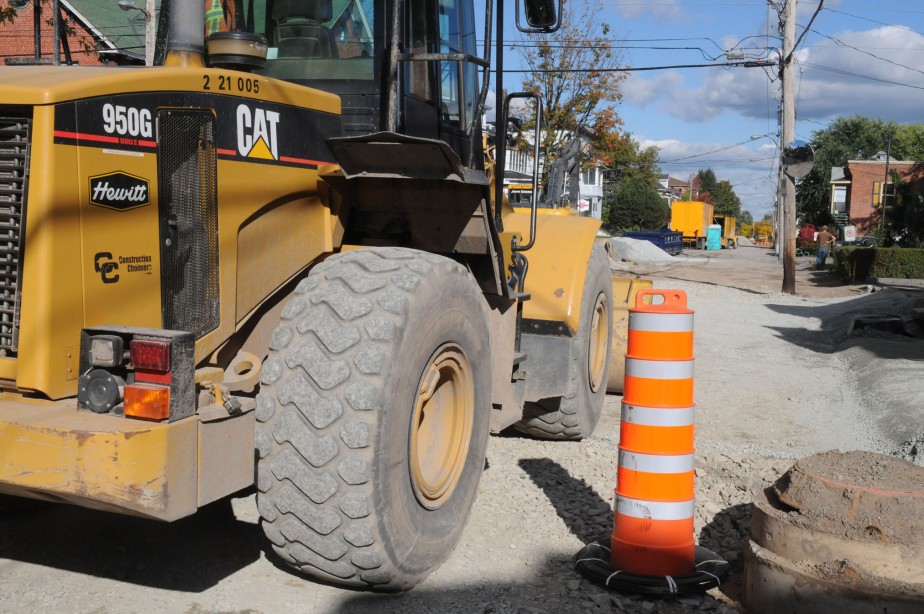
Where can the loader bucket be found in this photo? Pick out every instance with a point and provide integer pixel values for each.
(624, 291)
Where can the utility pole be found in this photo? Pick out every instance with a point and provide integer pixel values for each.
(787, 134)
(149, 32)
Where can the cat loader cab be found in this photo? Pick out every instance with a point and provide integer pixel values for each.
(280, 259)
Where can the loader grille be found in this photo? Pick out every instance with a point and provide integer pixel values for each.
(189, 220)
(14, 179)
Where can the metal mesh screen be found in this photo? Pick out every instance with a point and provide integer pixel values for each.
(14, 175)
(189, 220)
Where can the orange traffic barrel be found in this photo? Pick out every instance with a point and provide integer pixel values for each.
(653, 524)
(651, 549)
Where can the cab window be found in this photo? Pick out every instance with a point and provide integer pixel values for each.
(312, 39)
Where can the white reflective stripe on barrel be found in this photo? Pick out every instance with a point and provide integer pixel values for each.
(659, 369)
(650, 416)
(661, 322)
(656, 463)
(654, 510)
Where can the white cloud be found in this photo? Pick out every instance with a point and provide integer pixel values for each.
(639, 91)
(847, 80)
(664, 10)
(831, 80)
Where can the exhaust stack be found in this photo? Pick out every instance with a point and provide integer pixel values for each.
(186, 34)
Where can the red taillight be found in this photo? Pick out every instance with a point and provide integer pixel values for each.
(150, 354)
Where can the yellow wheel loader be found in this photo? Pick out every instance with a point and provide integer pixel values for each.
(276, 259)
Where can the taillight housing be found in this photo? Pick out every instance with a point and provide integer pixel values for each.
(141, 373)
(150, 354)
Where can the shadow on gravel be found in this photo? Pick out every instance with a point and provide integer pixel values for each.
(727, 534)
(836, 319)
(189, 555)
(582, 510)
(553, 586)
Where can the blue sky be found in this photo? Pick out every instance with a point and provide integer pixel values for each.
(858, 58)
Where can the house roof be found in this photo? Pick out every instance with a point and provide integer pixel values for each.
(837, 174)
(882, 162)
(117, 30)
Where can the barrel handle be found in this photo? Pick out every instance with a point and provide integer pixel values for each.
(671, 301)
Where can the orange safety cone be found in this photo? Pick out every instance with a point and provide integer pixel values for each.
(653, 526)
(651, 549)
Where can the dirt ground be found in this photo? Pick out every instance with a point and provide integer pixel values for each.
(778, 377)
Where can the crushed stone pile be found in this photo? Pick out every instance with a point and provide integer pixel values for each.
(637, 250)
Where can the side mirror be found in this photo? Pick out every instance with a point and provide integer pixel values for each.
(514, 131)
(541, 16)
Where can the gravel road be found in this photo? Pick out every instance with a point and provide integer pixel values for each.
(777, 378)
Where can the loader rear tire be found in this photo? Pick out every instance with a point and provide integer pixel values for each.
(575, 415)
(373, 417)
(10, 505)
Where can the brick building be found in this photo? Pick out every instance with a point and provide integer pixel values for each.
(857, 190)
(99, 33)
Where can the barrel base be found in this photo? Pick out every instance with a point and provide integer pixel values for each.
(593, 562)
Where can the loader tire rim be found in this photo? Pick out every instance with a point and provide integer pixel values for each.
(441, 426)
(596, 351)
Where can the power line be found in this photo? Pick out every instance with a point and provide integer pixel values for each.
(747, 64)
(841, 43)
(859, 76)
(882, 23)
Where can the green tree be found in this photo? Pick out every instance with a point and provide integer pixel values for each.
(627, 159)
(725, 199)
(906, 221)
(851, 138)
(720, 194)
(571, 71)
(634, 205)
(7, 14)
(745, 217)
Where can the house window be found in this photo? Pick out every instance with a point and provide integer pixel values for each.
(889, 193)
(840, 199)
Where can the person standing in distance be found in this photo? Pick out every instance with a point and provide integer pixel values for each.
(825, 240)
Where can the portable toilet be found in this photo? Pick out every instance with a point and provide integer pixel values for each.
(714, 237)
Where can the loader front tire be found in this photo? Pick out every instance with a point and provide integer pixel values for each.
(575, 415)
(373, 417)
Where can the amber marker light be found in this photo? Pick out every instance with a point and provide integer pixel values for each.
(148, 402)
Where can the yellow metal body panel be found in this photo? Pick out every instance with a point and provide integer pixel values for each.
(52, 280)
(558, 212)
(52, 451)
(557, 264)
(272, 222)
(42, 85)
(624, 291)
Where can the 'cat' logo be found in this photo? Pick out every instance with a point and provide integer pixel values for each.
(256, 133)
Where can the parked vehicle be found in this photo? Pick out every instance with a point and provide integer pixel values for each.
(729, 234)
(280, 260)
(692, 219)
